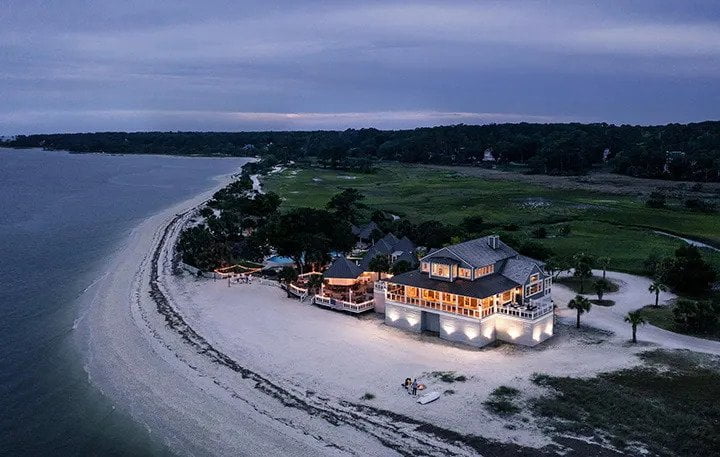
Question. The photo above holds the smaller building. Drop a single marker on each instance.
(346, 287)
(364, 233)
(488, 156)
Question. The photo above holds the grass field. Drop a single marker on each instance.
(663, 317)
(604, 224)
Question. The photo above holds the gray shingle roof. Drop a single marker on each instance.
(379, 248)
(480, 288)
(388, 245)
(409, 257)
(390, 239)
(365, 231)
(342, 268)
(405, 245)
(519, 268)
(475, 253)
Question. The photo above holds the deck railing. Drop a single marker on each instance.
(298, 291)
(532, 311)
(343, 305)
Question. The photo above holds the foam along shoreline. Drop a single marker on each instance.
(149, 372)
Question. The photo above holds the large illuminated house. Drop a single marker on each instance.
(475, 293)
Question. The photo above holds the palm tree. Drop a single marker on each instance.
(604, 264)
(286, 276)
(601, 286)
(656, 287)
(635, 318)
(314, 282)
(581, 305)
(583, 268)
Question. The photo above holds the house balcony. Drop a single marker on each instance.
(531, 309)
(441, 306)
(299, 292)
(358, 305)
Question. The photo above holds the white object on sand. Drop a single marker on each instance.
(428, 397)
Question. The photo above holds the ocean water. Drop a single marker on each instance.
(61, 216)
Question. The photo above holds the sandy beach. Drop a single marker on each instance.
(212, 369)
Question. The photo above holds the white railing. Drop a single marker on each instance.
(297, 291)
(533, 310)
(526, 312)
(344, 305)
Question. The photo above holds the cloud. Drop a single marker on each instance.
(460, 60)
(234, 121)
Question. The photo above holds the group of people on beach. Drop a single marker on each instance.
(411, 385)
(241, 279)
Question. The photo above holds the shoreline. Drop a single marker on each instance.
(155, 358)
(196, 399)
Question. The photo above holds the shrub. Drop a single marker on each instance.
(656, 200)
(535, 250)
(696, 316)
(501, 406)
(696, 204)
(368, 396)
(505, 391)
(540, 232)
(501, 401)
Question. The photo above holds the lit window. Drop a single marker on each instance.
(482, 271)
(464, 273)
(440, 270)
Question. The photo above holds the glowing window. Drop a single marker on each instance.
(482, 271)
(441, 270)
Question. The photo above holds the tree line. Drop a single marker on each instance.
(673, 151)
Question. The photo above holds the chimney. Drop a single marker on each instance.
(494, 241)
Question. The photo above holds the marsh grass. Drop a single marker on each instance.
(669, 404)
(502, 401)
(608, 225)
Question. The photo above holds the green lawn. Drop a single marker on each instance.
(616, 226)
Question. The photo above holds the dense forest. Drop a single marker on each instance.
(673, 151)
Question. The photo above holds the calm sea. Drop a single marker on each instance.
(61, 216)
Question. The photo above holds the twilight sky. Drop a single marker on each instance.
(73, 65)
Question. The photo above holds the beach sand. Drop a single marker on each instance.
(215, 370)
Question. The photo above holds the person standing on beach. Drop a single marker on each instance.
(414, 387)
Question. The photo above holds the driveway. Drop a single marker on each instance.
(633, 294)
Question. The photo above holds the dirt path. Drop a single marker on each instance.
(633, 295)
